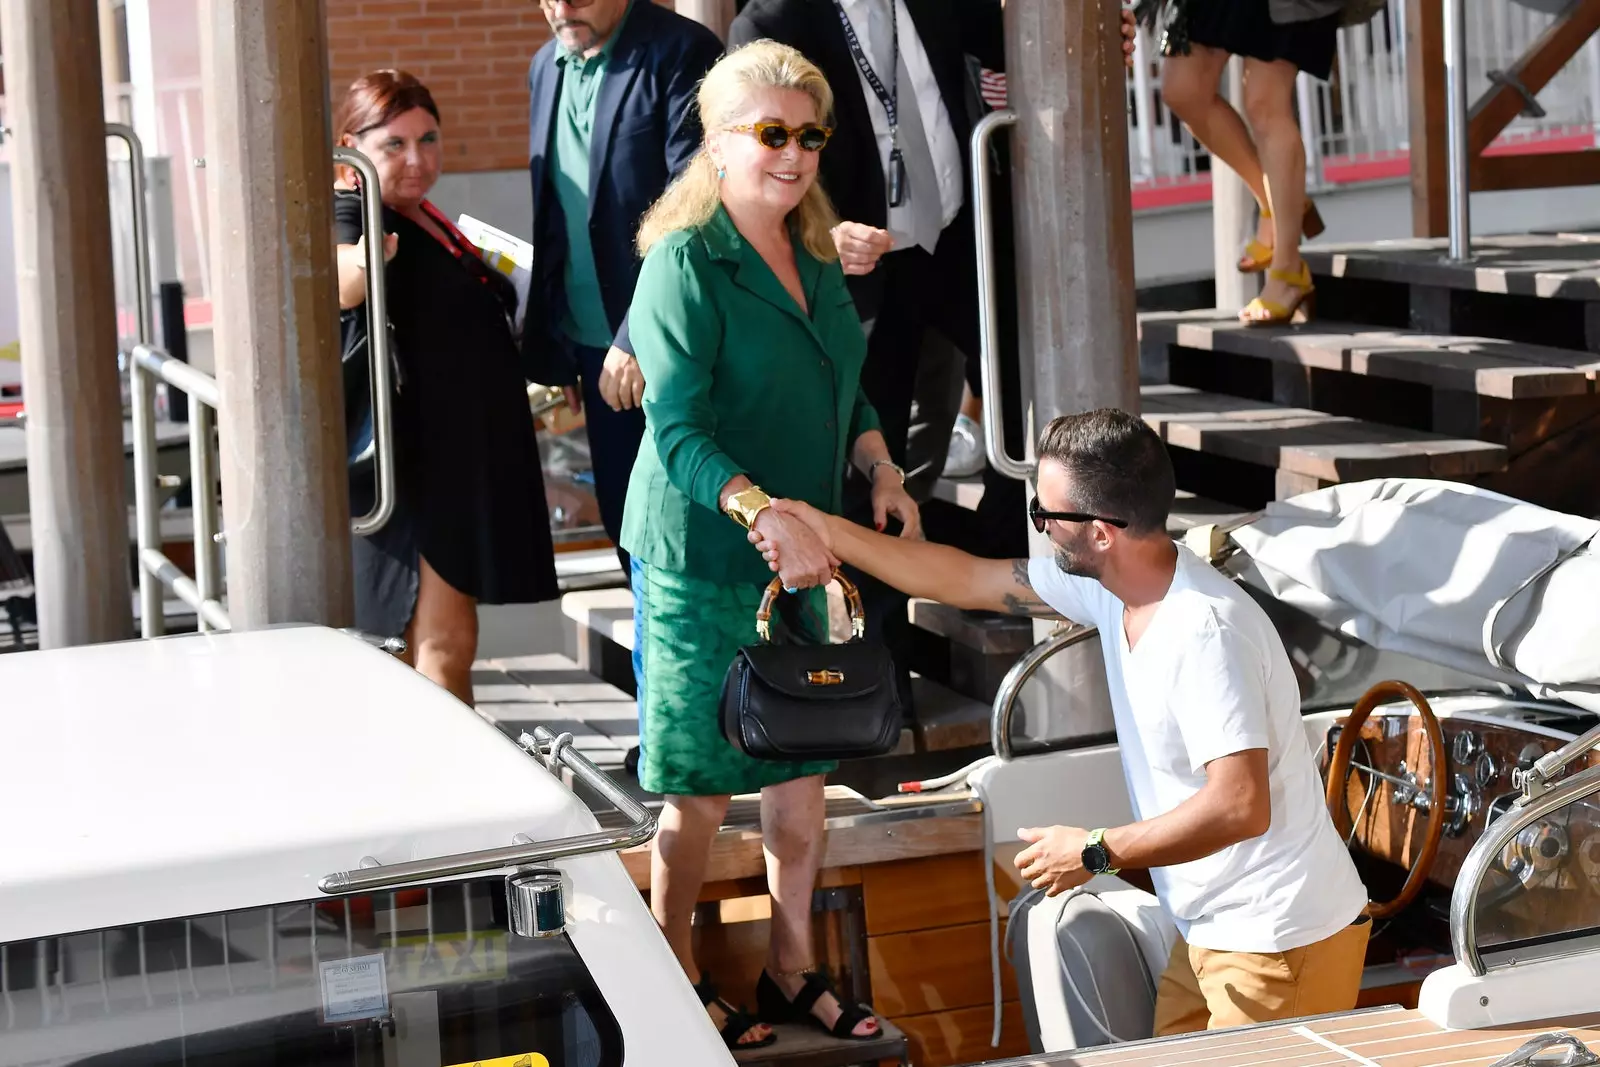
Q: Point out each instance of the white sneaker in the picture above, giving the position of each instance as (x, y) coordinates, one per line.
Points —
(966, 457)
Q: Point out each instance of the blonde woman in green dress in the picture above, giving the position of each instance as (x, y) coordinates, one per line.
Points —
(751, 350)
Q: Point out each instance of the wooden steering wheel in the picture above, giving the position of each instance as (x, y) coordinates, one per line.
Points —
(1438, 787)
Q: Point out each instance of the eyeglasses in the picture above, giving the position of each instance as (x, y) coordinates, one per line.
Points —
(774, 135)
(1041, 516)
(568, 3)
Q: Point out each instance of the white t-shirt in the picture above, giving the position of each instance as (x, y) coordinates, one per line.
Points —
(1210, 678)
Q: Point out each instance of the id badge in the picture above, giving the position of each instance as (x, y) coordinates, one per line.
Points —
(897, 178)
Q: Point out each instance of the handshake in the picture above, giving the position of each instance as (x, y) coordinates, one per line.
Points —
(804, 546)
(796, 541)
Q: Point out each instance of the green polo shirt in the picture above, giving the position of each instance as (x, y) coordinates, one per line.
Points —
(738, 380)
(585, 322)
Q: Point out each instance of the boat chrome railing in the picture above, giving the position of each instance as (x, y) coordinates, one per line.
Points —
(1528, 810)
(553, 752)
(1005, 700)
(1535, 781)
(150, 364)
(994, 441)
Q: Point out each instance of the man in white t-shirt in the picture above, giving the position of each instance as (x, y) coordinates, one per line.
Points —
(1229, 804)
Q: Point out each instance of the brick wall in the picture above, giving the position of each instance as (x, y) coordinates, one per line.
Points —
(472, 54)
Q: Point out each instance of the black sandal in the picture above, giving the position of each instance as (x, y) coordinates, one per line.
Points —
(737, 1023)
(775, 1007)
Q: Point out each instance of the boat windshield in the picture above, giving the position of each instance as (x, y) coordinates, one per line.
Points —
(1541, 892)
(426, 976)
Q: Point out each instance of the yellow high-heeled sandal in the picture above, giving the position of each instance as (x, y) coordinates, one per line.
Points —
(1297, 310)
(1258, 255)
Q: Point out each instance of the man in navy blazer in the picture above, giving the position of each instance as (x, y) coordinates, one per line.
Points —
(613, 120)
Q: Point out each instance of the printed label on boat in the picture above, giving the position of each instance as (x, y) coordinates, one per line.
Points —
(354, 988)
(527, 1059)
(447, 958)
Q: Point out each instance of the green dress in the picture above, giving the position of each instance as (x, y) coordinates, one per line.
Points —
(738, 380)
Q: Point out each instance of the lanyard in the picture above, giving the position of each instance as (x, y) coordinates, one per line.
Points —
(889, 98)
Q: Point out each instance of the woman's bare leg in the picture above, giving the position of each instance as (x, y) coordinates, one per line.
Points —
(678, 858)
(1270, 104)
(1189, 86)
(442, 640)
(791, 831)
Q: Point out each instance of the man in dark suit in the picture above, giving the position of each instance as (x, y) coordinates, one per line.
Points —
(613, 120)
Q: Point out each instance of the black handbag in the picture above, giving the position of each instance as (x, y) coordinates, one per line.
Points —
(356, 364)
(811, 702)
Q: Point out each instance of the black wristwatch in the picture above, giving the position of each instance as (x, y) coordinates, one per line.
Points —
(1096, 857)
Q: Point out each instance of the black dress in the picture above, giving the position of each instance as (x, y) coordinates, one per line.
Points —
(469, 488)
(1245, 28)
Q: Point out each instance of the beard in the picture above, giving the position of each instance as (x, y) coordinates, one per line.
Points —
(576, 34)
(1076, 563)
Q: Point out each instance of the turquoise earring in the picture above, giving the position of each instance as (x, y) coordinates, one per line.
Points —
(722, 172)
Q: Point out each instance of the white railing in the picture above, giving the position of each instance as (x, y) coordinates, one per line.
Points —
(1356, 124)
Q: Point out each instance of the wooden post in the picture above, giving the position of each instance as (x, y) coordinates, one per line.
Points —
(1077, 334)
(68, 322)
(1074, 206)
(715, 15)
(1430, 199)
(1233, 219)
(285, 499)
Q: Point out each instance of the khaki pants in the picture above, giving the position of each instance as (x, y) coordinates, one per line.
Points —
(1206, 989)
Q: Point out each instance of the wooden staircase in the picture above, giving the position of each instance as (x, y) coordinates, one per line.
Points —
(1482, 372)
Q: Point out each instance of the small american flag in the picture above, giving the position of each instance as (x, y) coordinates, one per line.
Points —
(993, 87)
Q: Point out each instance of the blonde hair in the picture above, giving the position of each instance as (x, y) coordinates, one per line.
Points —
(692, 200)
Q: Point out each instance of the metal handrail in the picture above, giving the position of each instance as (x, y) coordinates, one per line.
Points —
(1455, 77)
(994, 440)
(1005, 699)
(203, 593)
(377, 305)
(550, 750)
(144, 289)
(147, 522)
(1501, 832)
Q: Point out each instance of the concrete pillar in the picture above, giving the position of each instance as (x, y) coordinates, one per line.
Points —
(285, 500)
(716, 15)
(1074, 208)
(1233, 212)
(67, 320)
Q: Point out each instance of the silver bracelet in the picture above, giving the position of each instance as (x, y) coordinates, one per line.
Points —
(872, 471)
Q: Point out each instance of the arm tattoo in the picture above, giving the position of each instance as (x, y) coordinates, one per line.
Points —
(1020, 599)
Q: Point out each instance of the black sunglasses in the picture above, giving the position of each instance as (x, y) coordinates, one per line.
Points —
(1041, 516)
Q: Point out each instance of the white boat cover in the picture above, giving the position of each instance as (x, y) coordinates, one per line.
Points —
(1443, 571)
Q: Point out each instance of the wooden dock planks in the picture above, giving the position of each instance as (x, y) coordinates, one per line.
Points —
(1308, 443)
(1481, 365)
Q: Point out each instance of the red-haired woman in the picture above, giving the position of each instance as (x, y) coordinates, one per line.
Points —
(471, 524)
